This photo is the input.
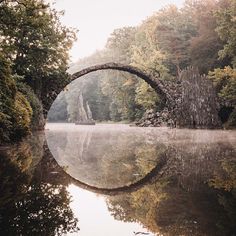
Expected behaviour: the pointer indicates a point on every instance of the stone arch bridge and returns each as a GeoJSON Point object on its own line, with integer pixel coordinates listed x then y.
{"type": "Point", "coordinates": [191, 99]}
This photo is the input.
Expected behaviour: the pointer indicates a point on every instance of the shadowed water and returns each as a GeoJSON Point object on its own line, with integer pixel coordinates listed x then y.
{"type": "Point", "coordinates": [118, 180]}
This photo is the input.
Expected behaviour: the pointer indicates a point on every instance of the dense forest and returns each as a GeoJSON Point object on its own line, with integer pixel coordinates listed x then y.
{"type": "Point", "coordinates": [34, 63]}
{"type": "Point", "coordinates": [200, 34]}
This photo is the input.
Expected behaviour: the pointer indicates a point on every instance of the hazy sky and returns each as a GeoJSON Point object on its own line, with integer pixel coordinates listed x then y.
{"type": "Point", "coordinates": [96, 19]}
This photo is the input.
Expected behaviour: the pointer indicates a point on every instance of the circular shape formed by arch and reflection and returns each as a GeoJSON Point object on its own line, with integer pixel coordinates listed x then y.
{"type": "Point", "coordinates": [106, 157]}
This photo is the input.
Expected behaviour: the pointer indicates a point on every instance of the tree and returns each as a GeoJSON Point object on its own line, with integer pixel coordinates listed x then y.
{"type": "Point", "coordinates": [226, 28]}
{"type": "Point", "coordinates": [146, 97]}
{"type": "Point", "coordinates": [15, 110]}
{"type": "Point", "coordinates": [119, 44]}
{"type": "Point", "coordinates": [37, 44]}
{"type": "Point", "coordinates": [225, 84]}
{"type": "Point", "coordinates": [146, 53]}
{"type": "Point", "coordinates": [120, 88]}
{"type": "Point", "coordinates": [205, 44]}
{"type": "Point", "coordinates": [7, 96]}
{"type": "Point", "coordinates": [34, 55]}
{"type": "Point", "coordinates": [174, 30]}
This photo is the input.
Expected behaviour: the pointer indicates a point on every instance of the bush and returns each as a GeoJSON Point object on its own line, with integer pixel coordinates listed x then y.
{"type": "Point", "coordinates": [21, 117]}
{"type": "Point", "coordinates": [37, 121]}
{"type": "Point", "coordinates": [15, 110]}
{"type": "Point", "coordinates": [225, 84]}
{"type": "Point", "coordinates": [7, 98]}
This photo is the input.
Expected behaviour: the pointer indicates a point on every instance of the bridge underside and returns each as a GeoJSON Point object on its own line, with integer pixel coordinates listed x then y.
{"type": "Point", "coordinates": [191, 100]}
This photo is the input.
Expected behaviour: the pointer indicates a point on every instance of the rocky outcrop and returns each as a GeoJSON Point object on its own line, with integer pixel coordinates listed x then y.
{"type": "Point", "coordinates": [197, 104]}
{"type": "Point", "coordinates": [156, 119]}
{"type": "Point", "coordinates": [191, 100]}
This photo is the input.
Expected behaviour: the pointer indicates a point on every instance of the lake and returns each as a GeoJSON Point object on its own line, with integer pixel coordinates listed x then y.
{"type": "Point", "coordinates": [113, 180]}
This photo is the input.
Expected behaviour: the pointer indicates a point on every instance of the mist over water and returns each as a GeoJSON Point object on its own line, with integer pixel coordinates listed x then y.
{"type": "Point", "coordinates": [111, 156]}
{"type": "Point", "coordinates": [184, 195]}
{"type": "Point", "coordinates": [113, 179]}
{"type": "Point", "coordinates": [105, 156]}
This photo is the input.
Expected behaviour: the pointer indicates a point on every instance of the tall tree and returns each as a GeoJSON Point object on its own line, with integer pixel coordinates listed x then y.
{"type": "Point", "coordinates": [226, 28]}
{"type": "Point", "coordinates": [36, 43]}
{"type": "Point", "coordinates": [205, 45]}
{"type": "Point", "coordinates": [173, 32]}
{"type": "Point", "coordinates": [119, 44]}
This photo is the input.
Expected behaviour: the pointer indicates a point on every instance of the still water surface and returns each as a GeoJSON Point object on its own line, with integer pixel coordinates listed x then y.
{"type": "Point", "coordinates": [113, 180]}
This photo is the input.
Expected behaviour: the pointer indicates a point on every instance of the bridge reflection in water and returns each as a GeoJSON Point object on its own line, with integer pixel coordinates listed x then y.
{"type": "Point", "coordinates": [171, 182]}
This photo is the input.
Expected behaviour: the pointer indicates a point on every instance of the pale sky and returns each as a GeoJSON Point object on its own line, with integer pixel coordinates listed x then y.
{"type": "Point", "coordinates": [96, 19]}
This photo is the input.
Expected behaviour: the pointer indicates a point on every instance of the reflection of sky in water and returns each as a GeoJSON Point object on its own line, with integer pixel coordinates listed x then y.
{"type": "Point", "coordinates": [192, 192]}
{"type": "Point", "coordinates": [94, 217]}
{"type": "Point", "coordinates": [185, 199]}
{"type": "Point", "coordinates": [104, 155]}
{"type": "Point", "coordinates": [111, 156]}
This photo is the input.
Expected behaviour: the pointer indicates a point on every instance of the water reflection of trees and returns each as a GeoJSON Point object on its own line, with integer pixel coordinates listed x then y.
{"type": "Point", "coordinates": [32, 200]}
{"type": "Point", "coordinates": [194, 195]}
{"type": "Point", "coordinates": [105, 158]}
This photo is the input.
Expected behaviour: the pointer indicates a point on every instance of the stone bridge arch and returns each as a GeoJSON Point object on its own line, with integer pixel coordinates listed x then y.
{"type": "Point", "coordinates": [191, 99]}
{"type": "Point", "coordinates": [155, 83]}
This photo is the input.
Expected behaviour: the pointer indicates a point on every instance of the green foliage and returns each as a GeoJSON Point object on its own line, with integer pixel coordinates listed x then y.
{"type": "Point", "coordinates": [15, 110]}
{"type": "Point", "coordinates": [15, 117]}
{"type": "Point", "coordinates": [37, 121]}
{"type": "Point", "coordinates": [53, 84]}
{"type": "Point", "coordinates": [146, 54]}
{"type": "Point", "coordinates": [226, 28]}
{"type": "Point", "coordinates": [174, 30]}
{"type": "Point", "coordinates": [22, 116]}
{"type": "Point", "coordinates": [5, 127]}
{"type": "Point", "coordinates": [225, 83]}
{"type": "Point", "coordinates": [34, 47]}
{"type": "Point", "coordinates": [36, 42]}
{"type": "Point", "coordinates": [146, 96]}
{"type": "Point", "coordinates": [119, 44]}
{"type": "Point", "coordinates": [7, 96]}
